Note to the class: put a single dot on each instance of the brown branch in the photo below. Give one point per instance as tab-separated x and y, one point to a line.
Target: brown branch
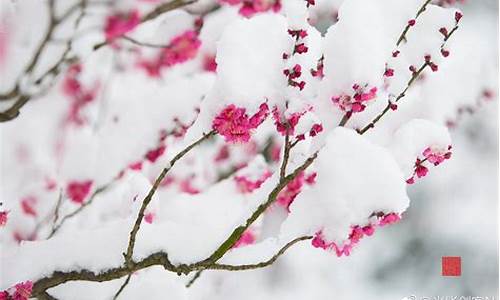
286	156
236	234
122	287
405	31
149	196
261	264
399	97
408	85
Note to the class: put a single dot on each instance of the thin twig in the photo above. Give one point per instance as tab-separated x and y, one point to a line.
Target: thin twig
149	196
122	287
98	191
261	264
402	37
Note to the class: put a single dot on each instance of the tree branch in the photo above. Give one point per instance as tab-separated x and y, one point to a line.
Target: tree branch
149	196
261	264
402	37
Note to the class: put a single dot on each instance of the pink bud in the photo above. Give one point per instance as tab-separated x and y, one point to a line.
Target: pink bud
411	22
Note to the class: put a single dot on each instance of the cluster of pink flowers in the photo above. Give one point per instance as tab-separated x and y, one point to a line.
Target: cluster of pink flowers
180	49
249	8
77	191
356	234
20	291
121	23
293	188
247	238
356	103
3	218
234	124
286	125
294	73
79	95
246	185
434	156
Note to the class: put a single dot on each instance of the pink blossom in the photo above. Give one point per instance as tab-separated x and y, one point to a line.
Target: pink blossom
20	291
316	128
28	205
251	7
389	72
80	96
301	48
209	63
3	218
356	234
223	154
121	23
247	238
436	156
286	197
245	185
286	125
180	49
421	171
137	166
149	217
186	186
153	154
389	219
234	124
78	190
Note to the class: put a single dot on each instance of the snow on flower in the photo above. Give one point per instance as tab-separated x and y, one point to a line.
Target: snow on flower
77	191
356	234
286	197
419	143
356	179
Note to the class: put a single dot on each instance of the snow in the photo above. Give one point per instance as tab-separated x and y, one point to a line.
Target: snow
411	139
358	177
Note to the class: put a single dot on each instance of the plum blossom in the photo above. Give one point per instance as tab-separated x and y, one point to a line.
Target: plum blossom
3	218
248	8
357	102
180	49
246	185
234	124
80	96
77	191
434	155
28	206
153	154
20	291
121	23
356	234
247	238
293	188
